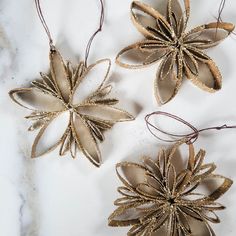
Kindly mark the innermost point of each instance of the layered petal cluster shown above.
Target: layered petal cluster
(166, 198)
(71, 108)
(181, 51)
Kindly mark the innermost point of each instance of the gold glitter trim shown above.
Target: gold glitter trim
(168, 198)
(181, 51)
(63, 91)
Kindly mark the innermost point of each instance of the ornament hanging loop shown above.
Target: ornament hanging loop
(51, 44)
(219, 17)
(190, 138)
(44, 24)
(101, 21)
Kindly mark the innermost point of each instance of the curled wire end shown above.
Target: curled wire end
(190, 138)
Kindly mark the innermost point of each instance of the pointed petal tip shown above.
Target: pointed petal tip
(34, 156)
(129, 117)
(97, 164)
(120, 164)
(230, 26)
(160, 101)
(12, 91)
(135, 3)
(112, 223)
(125, 65)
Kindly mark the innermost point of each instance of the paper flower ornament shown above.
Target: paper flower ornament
(71, 108)
(181, 51)
(162, 198)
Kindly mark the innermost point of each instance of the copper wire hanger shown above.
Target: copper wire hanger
(51, 43)
(191, 137)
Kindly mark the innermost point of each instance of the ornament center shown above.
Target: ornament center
(178, 44)
(70, 107)
(171, 200)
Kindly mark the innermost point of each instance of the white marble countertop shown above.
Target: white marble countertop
(65, 197)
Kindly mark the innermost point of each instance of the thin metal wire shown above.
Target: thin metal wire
(44, 24)
(51, 44)
(220, 11)
(190, 137)
(102, 16)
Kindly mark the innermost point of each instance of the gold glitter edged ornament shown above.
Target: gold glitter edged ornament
(161, 198)
(72, 106)
(181, 51)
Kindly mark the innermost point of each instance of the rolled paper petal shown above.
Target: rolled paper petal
(141, 54)
(59, 75)
(152, 166)
(50, 135)
(67, 142)
(130, 174)
(104, 112)
(87, 84)
(60, 92)
(149, 192)
(34, 99)
(126, 215)
(200, 227)
(141, 229)
(85, 140)
(221, 186)
(209, 77)
(149, 19)
(190, 62)
(148, 228)
(169, 78)
(76, 74)
(101, 93)
(209, 35)
(178, 17)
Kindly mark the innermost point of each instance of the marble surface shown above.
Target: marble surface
(65, 197)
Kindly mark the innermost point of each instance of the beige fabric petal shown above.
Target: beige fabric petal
(209, 77)
(169, 78)
(208, 35)
(141, 54)
(85, 140)
(145, 18)
(92, 80)
(105, 113)
(177, 17)
(34, 99)
(60, 75)
(50, 135)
